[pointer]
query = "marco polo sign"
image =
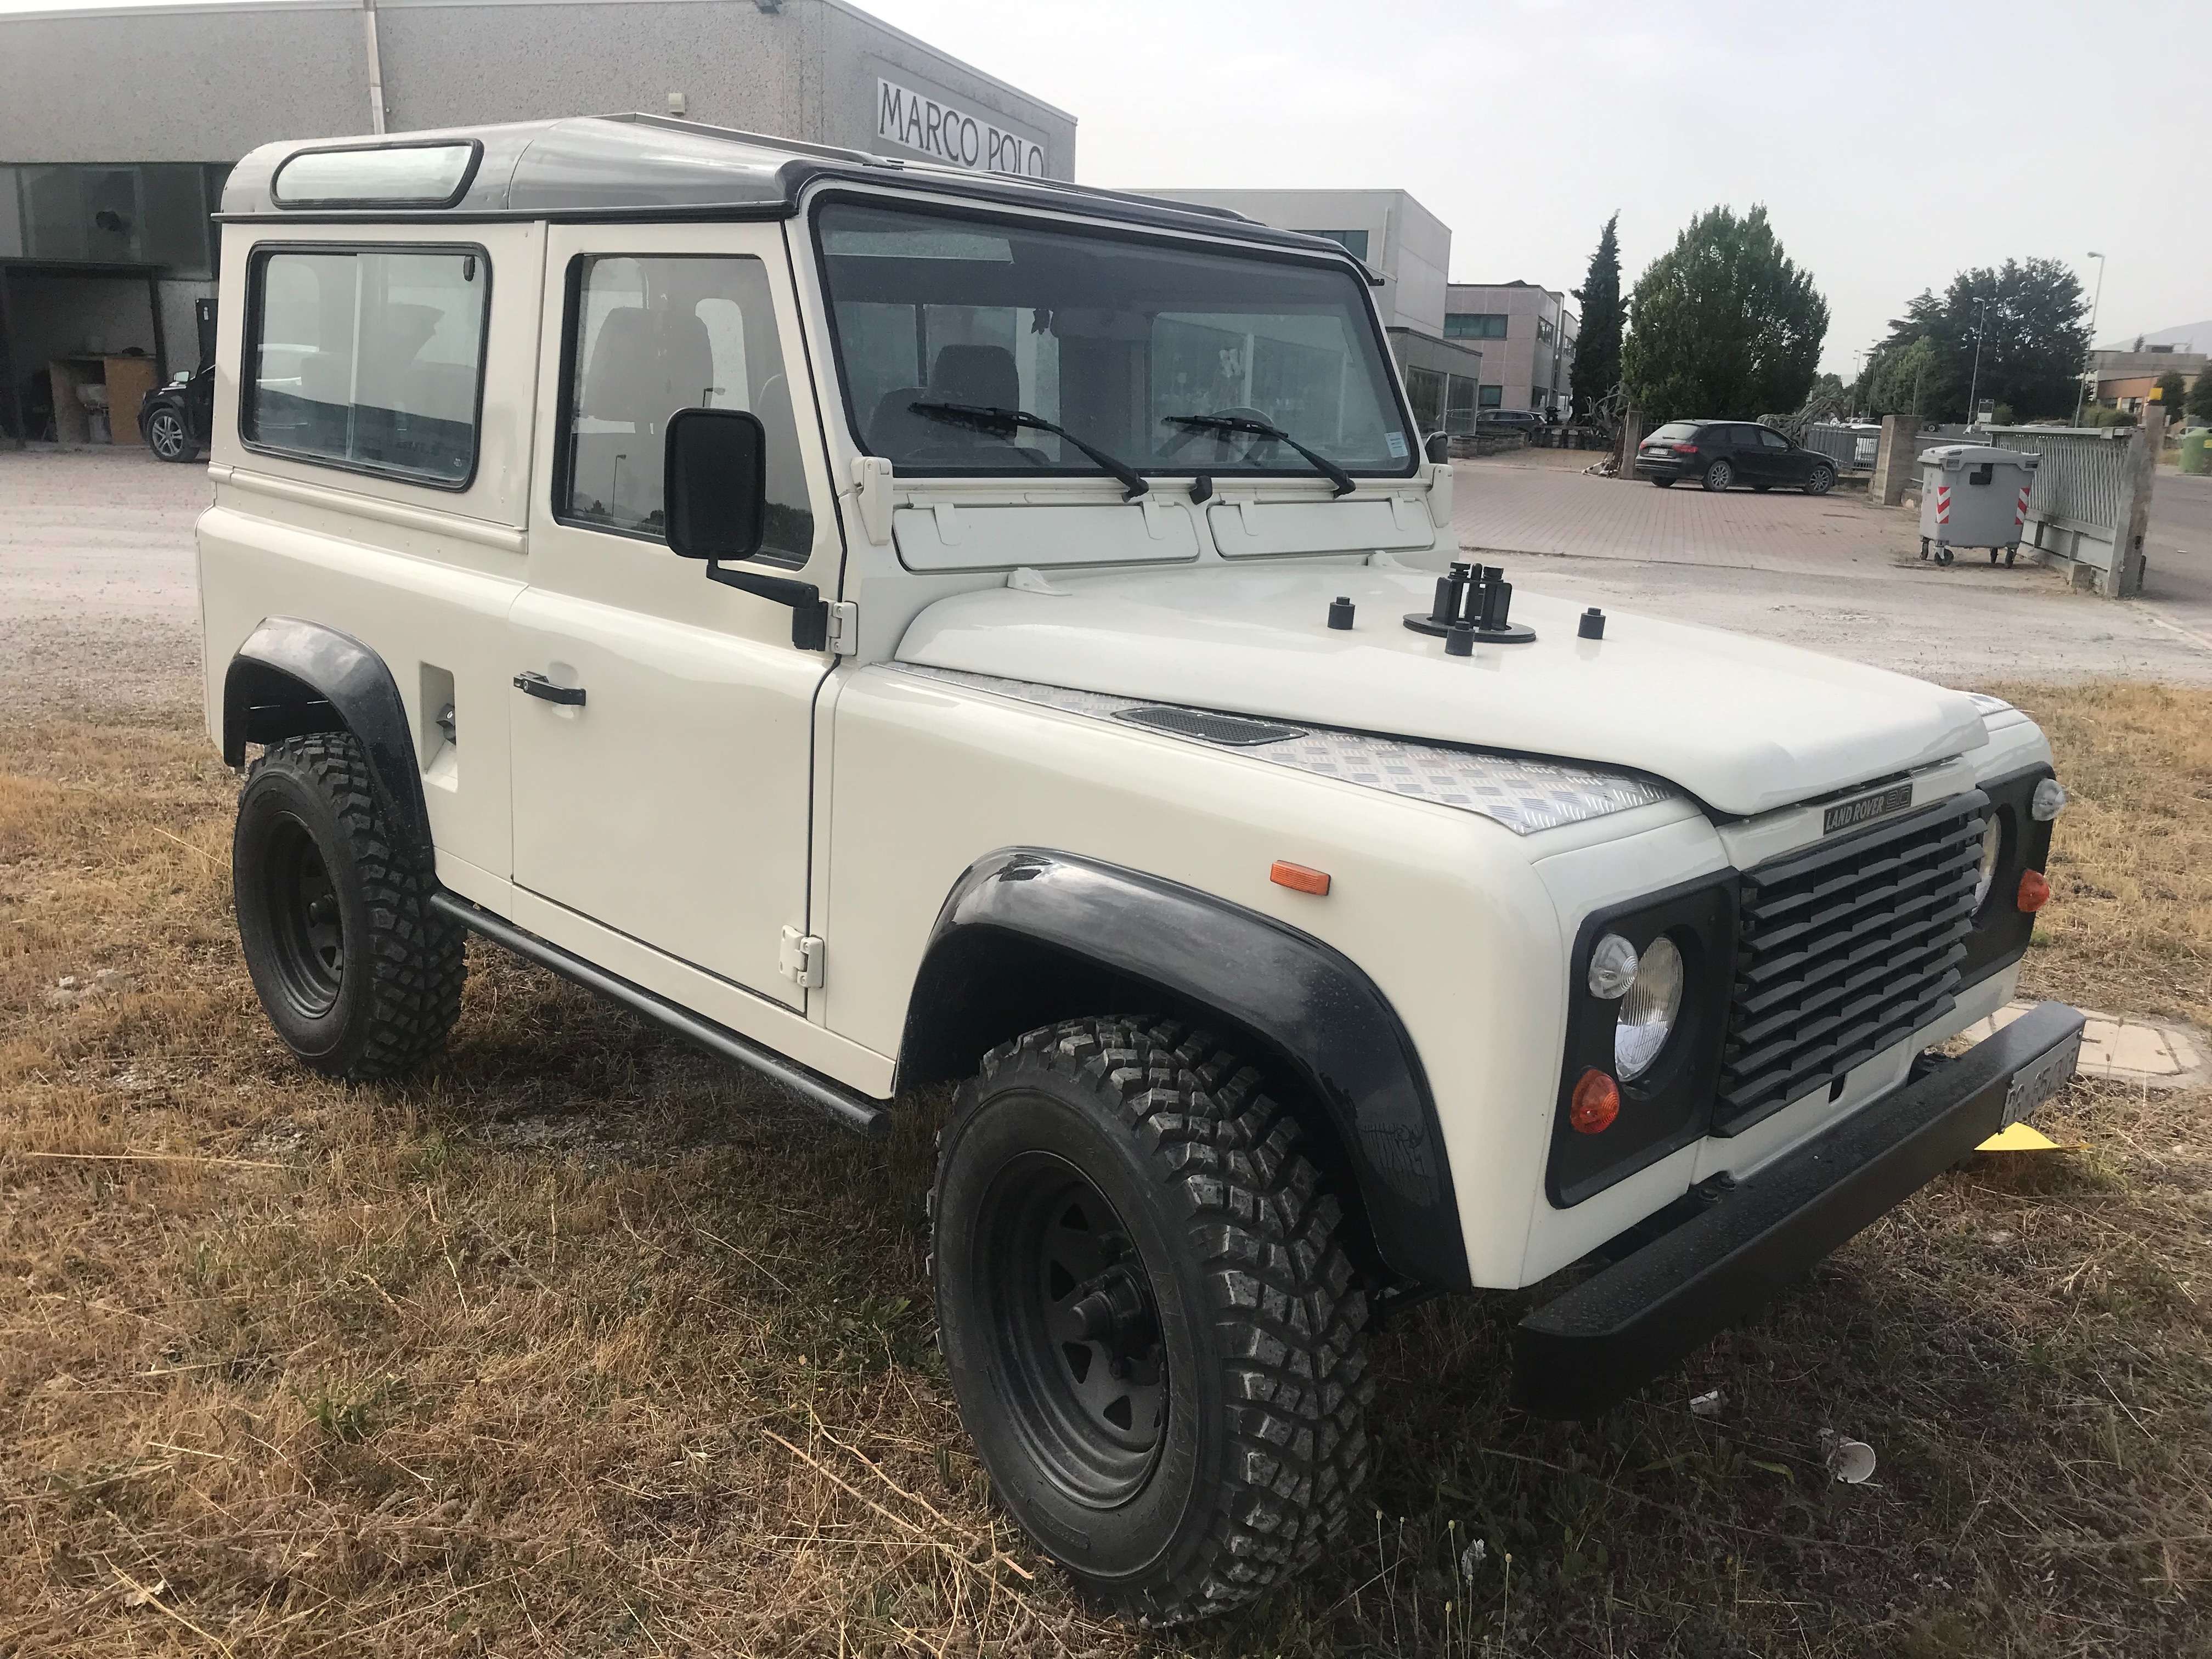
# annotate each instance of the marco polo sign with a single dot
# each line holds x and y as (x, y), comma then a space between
(952, 136)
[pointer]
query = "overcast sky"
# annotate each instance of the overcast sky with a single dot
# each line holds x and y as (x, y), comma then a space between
(1893, 144)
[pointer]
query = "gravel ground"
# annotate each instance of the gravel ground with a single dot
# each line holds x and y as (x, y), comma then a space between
(98, 606)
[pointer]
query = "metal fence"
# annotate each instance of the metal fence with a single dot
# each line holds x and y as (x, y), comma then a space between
(2087, 480)
(1850, 448)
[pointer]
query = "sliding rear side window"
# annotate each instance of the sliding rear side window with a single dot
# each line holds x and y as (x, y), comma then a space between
(368, 359)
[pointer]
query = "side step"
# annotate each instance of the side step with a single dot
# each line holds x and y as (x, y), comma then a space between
(851, 1110)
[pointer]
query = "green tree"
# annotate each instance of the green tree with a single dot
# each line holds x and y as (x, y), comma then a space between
(1597, 349)
(1722, 325)
(2029, 317)
(2200, 395)
(2172, 387)
(1902, 381)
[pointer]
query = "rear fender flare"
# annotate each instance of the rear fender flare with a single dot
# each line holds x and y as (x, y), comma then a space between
(292, 677)
(1028, 934)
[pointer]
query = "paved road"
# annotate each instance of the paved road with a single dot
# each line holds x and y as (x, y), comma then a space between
(98, 605)
(1838, 575)
(2179, 544)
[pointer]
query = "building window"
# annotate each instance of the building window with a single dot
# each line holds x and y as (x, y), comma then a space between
(368, 360)
(1474, 325)
(1492, 397)
(1353, 242)
(1459, 404)
(151, 213)
(1424, 389)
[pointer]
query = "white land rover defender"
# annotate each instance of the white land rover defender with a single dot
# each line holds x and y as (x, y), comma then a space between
(891, 624)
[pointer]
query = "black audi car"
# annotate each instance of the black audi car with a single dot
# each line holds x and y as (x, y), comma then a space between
(175, 419)
(1721, 454)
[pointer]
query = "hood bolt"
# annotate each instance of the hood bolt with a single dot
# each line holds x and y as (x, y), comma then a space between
(1592, 625)
(1339, 613)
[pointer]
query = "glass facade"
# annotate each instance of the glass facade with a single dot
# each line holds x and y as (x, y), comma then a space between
(142, 213)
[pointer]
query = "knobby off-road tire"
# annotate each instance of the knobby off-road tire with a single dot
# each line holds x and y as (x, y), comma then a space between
(1156, 1341)
(360, 977)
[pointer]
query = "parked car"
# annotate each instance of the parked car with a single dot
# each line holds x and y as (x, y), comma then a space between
(174, 420)
(1310, 927)
(1522, 421)
(1722, 454)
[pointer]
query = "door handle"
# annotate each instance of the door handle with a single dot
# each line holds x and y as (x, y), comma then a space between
(538, 686)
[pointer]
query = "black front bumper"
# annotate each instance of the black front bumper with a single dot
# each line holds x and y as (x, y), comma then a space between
(1594, 1346)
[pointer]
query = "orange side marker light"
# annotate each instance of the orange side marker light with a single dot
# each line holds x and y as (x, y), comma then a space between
(1298, 878)
(1595, 1103)
(2035, 890)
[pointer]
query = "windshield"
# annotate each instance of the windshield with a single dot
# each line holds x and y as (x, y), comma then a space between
(1108, 337)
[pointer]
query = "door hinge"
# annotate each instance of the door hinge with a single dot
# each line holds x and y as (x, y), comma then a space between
(844, 628)
(802, 959)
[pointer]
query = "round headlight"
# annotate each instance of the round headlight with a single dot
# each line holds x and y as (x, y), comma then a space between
(1992, 845)
(1613, 967)
(1648, 1011)
(2050, 801)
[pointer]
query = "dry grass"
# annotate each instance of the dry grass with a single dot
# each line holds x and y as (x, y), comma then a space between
(580, 1344)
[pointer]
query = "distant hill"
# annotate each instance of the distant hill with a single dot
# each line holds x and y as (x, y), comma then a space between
(2196, 337)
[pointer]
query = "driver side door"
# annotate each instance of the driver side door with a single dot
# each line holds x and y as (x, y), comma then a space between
(662, 723)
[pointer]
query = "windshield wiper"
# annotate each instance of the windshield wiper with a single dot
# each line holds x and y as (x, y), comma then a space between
(1340, 481)
(999, 423)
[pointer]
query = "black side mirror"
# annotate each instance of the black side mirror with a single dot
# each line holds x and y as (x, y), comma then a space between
(714, 492)
(1438, 447)
(716, 483)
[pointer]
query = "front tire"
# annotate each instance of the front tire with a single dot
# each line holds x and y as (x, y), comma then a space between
(167, 437)
(1821, 480)
(360, 978)
(1155, 1338)
(1719, 476)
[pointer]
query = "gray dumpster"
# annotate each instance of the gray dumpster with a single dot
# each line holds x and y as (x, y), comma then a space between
(1974, 496)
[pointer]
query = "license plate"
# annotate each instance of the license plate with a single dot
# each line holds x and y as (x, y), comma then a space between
(2041, 1078)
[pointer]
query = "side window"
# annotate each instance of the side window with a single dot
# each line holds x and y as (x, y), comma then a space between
(1772, 438)
(368, 359)
(650, 336)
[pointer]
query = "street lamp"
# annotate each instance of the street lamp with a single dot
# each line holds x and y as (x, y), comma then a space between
(1973, 385)
(2089, 359)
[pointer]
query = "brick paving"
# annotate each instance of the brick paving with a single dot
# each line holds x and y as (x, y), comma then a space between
(2147, 1053)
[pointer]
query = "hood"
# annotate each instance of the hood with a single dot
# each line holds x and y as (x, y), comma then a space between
(1743, 724)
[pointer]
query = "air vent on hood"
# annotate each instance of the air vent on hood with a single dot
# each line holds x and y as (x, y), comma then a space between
(1211, 727)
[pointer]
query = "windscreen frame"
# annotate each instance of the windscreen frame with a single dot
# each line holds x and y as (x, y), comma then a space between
(1338, 261)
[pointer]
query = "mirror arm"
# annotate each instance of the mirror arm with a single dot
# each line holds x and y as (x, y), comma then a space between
(809, 616)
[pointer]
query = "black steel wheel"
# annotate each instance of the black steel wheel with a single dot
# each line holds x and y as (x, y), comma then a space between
(307, 935)
(1154, 1335)
(360, 978)
(1719, 476)
(1078, 1336)
(1820, 481)
(167, 437)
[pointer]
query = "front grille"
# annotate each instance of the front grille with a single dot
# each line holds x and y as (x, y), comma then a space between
(1843, 951)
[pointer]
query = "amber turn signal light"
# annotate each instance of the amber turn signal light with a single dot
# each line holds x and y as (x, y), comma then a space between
(2035, 890)
(1298, 878)
(1595, 1103)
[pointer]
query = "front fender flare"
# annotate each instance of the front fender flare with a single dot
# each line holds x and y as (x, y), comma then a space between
(1311, 1009)
(292, 677)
